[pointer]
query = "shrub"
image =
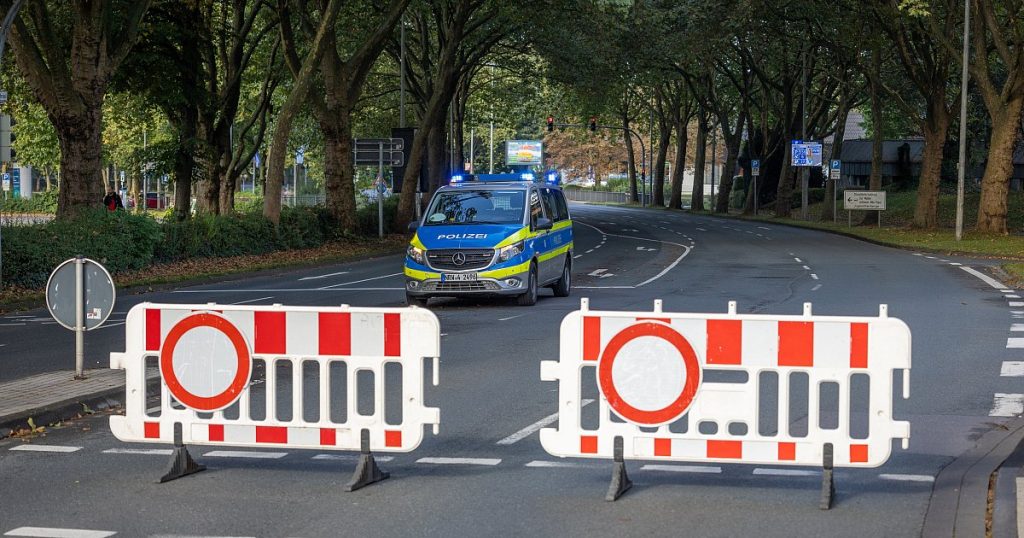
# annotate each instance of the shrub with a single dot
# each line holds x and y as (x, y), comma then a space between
(118, 240)
(366, 217)
(40, 202)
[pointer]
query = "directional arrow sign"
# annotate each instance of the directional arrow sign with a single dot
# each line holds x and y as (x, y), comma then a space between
(865, 200)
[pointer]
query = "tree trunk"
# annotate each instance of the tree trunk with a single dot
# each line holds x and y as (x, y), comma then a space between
(184, 164)
(732, 152)
(81, 158)
(339, 170)
(437, 157)
(664, 138)
(784, 192)
(935, 127)
(634, 196)
(679, 166)
(992, 210)
(699, 162)
(831, 185)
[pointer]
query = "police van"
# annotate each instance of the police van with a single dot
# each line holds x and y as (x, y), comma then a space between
(496, 234)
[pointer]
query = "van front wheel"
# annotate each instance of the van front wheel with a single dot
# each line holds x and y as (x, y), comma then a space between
(530, 297)
(562, 287)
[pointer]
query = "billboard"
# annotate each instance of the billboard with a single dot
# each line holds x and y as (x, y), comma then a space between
(806, 153)
(524, 152)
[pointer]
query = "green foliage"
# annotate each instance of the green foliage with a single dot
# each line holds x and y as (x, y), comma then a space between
(119, 240)
(366, 217)
(40, 202)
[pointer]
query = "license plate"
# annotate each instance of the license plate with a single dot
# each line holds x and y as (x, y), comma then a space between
(458, 277)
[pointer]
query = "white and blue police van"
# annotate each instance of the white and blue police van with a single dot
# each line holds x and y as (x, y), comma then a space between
(495, 234)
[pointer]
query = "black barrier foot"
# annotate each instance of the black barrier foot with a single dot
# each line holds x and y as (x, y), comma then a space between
(181, 463)
(828, 487)
(367, 471)
(620, 480)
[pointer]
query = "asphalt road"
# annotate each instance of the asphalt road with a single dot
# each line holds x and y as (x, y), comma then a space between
(491, 389)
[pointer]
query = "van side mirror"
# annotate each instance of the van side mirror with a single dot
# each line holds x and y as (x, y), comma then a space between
(413, 226)
(543, 224)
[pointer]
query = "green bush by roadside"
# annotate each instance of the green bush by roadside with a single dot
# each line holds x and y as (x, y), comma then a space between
(123, 241)
(40, 202)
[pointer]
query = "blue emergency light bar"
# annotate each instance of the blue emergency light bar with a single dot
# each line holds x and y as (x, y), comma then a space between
(551, 177)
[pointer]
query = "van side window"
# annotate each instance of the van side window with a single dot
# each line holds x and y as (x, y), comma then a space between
(561, 206)
(550, 206)
(535, 209)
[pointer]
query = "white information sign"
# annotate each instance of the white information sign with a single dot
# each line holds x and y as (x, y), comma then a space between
(806, 153)
(864, 200)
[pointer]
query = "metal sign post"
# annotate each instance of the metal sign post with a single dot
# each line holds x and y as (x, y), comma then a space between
(380, 190)
(755, 170)
(80, 296)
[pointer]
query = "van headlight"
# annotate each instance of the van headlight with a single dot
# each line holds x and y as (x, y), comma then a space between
(507, 253)
(415, 253)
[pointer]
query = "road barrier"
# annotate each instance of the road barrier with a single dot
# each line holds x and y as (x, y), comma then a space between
(279, 376)
(735, 388)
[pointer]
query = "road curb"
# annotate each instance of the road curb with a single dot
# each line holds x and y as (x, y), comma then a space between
(68, 409)
(959, 501)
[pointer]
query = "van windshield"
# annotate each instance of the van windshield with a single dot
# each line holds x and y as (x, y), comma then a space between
(476, 207)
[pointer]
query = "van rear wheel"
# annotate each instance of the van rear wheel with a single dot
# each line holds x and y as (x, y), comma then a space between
(413, 300)
(530, 297)
(563, 286)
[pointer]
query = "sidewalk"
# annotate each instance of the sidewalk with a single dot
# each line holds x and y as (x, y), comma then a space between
(55, 396)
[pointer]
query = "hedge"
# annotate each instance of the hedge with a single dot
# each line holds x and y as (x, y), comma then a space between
(123, 241)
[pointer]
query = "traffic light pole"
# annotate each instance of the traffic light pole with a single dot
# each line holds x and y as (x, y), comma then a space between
(643, 149)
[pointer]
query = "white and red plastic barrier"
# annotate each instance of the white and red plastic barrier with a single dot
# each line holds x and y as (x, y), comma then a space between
(206, 357)
(652, 370)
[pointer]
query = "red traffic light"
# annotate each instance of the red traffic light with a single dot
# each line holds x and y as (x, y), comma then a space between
(593, 123)
(551, 123)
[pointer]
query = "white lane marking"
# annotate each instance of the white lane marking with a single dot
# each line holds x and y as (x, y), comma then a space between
(291, 290)
(816, 287)
(686, 250)
(53, 532)
(1017, 312)
(955, 264)
(701, 230)
(324, 276)
(1007, 405)
(604, 287)
(359, 281)
(814, 276)
(108, 325)
(589, 251)
(1017, 327)
(930, 257)
(806, 268)
(763, 228)
(2, 345)
(349, 457)
(682, 468)
(511, 317)
(529, 430)
(984, 278)
(1015, 343)
(12, 325)
(1011, 296)
(460, 461)
(254, 300)
(1012, 369)
(798, 260)
(241, 454)
(1015, 304)
(141, 451)
(645, 249)
(562, 464)
(577, 256)
(46, 448)
(784, 472)
(596, 272)
(907, 477)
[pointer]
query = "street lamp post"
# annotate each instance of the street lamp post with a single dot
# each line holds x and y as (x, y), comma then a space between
(4, 30)
(961, 167)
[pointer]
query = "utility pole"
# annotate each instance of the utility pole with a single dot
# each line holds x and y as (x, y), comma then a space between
(4, 30)
(472, 148)
(401, 77)
(714, 165)
(961, 167)
(804, 171)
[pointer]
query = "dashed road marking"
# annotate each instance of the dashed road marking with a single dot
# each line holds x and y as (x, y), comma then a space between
(1017, 327)
(806, 268)
(814, 276)
(46, 448)
(254, 300)
(349, 457)
(907, 477)
(511, 317)
(1015, 304)
(682, 468)
(1015, 343)
(563, 464)
(243, 454)
(577, 256)
(53, 532)
(816, 287)
(1007, 405)
(140, 451)
(1012, 369)
(784, 472)
(332, 286)
(985, 278)
(339, 273)
(1012, 296)
(597, 272)
(955, 264)
(460, 461)
(798, 260)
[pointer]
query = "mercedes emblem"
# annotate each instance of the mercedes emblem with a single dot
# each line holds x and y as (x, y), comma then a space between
(459, 258)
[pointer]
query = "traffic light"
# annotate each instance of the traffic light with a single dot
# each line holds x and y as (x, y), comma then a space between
(551, 123)
(593, 123)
